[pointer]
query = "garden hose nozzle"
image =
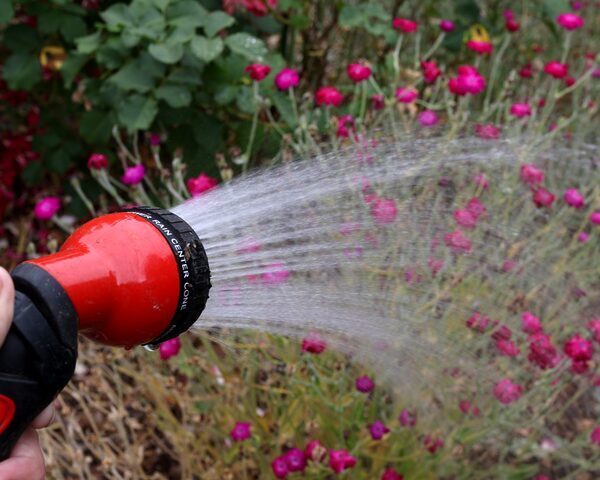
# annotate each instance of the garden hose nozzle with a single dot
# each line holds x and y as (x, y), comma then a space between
(140, 276)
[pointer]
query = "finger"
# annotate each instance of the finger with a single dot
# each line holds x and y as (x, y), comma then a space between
(47, 417)
(26, 461)
(7, 303)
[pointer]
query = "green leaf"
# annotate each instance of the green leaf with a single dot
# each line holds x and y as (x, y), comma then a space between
(71, 67)
(216, 22)
(33, 173)
(21, 38)
(6, 11)
(301, 22)
(168, 54)
(552, 8)
(352, 16)
(208, 132)
(467, 10)
(245, 100)
(181, 35)
(283, 105)
(22, 71)
(176, 96)
(129, 38)
(185, 76)
(96, 126)
(132, 77)
(246, 45)
(226, 94)
(58, 161)
(72, 27)
(186, 13)
(207, 49)
(89, 43)
(137, 112)
(117, 17)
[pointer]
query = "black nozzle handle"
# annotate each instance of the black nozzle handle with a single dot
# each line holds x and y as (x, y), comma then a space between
(38, 356)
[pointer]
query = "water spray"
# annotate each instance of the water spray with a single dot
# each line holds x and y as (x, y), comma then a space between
(138, 277)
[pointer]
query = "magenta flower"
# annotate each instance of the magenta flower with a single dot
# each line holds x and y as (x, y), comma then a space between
(579, 349)
(170, 348)
(202, 183)
(154, 139)
(275, 273)
(431, 71)
(340, 460)
(594, 328)
(391, 474)
(404, 25)
(457, 242)
(133, 175)
(507, 392)
(279, 467)
(432, 444)
(583, 237)
(507, 348)
(345, 125)
(46, 208)
(465, 219)
(570, 21)
(364, 384)
(295, 460)
(328, 96)
(541, 351)
(286, 79)
(476, 208)
(313, 343)
(481, 181)
(447, 26)
(377, 101)
(257, 71)
(428, 118)
(595, 436)
(595, 217)
(468, 81)
(511, 24)
(487, 131)
(543, 198)
(358, 72)
(530, 323)
(574, 198)
(480, 47)
(407, 418)
(520, 110)
(384, 210)
(240, 432)
(531, 174)
(406, 94)
(478, 322)
(377, 430)
(315, 451)
(97, 161)
(526, 71)
(556, 69)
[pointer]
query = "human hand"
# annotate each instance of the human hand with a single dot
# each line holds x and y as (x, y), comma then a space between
(26, 460)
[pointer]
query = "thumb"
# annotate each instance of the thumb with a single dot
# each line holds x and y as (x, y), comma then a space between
(7, 303)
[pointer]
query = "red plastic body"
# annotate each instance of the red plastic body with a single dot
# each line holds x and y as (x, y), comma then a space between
(121, 276)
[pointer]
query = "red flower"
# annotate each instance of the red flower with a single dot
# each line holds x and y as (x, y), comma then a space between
(556, 69)
(543, 198)
(526, 71)
(507, 392)
(404, 25)
(328, 96)
(97, 161)
(313, 343)
(480, 46)
(570, 21)
(202, 183)
(431, 72)
(358, 72)
(257, 71)
(340, 460)
(487, 131)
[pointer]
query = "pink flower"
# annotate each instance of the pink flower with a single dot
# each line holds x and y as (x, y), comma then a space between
(432, 444)
(259, 8)
(435, 265)
(378, 101)
(97, 161)
(520, 110)
(556, 69)
(404, 25)
(344, 122)
(468, 81)
(595, 436)
(574, 198)
(531, 174)
(507, 392)
(543, 198)
(170, 348)
(154, 139)
(240, 432)
(358, 72)
(487, 131)
(295, 460)
(133, 175)
(465, 219)
(511, 24)
(46, 208)
(384, 210)
(202, 183)
(286, 79)
(328, 96)
(578, 349)
(406, 95)
(364, 384)
(391, 474)
(507, 348)
(340, 460)
(541, 351)
(480, 46)
(594, 328)
(530, 323)
(279, 467)
(457, 242)
(447, 26)
(595, 217)
(258, 71)
(275, 273)
(570, 21)
(428, 118)
(481, 181)
(431, 71)
(526, 71)
(503, 333)
(313, 343)
(575, 5)
(476, 208)
(315, 451)
(407, 418)
(583, 237)
(378, 430)
(478, 322)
